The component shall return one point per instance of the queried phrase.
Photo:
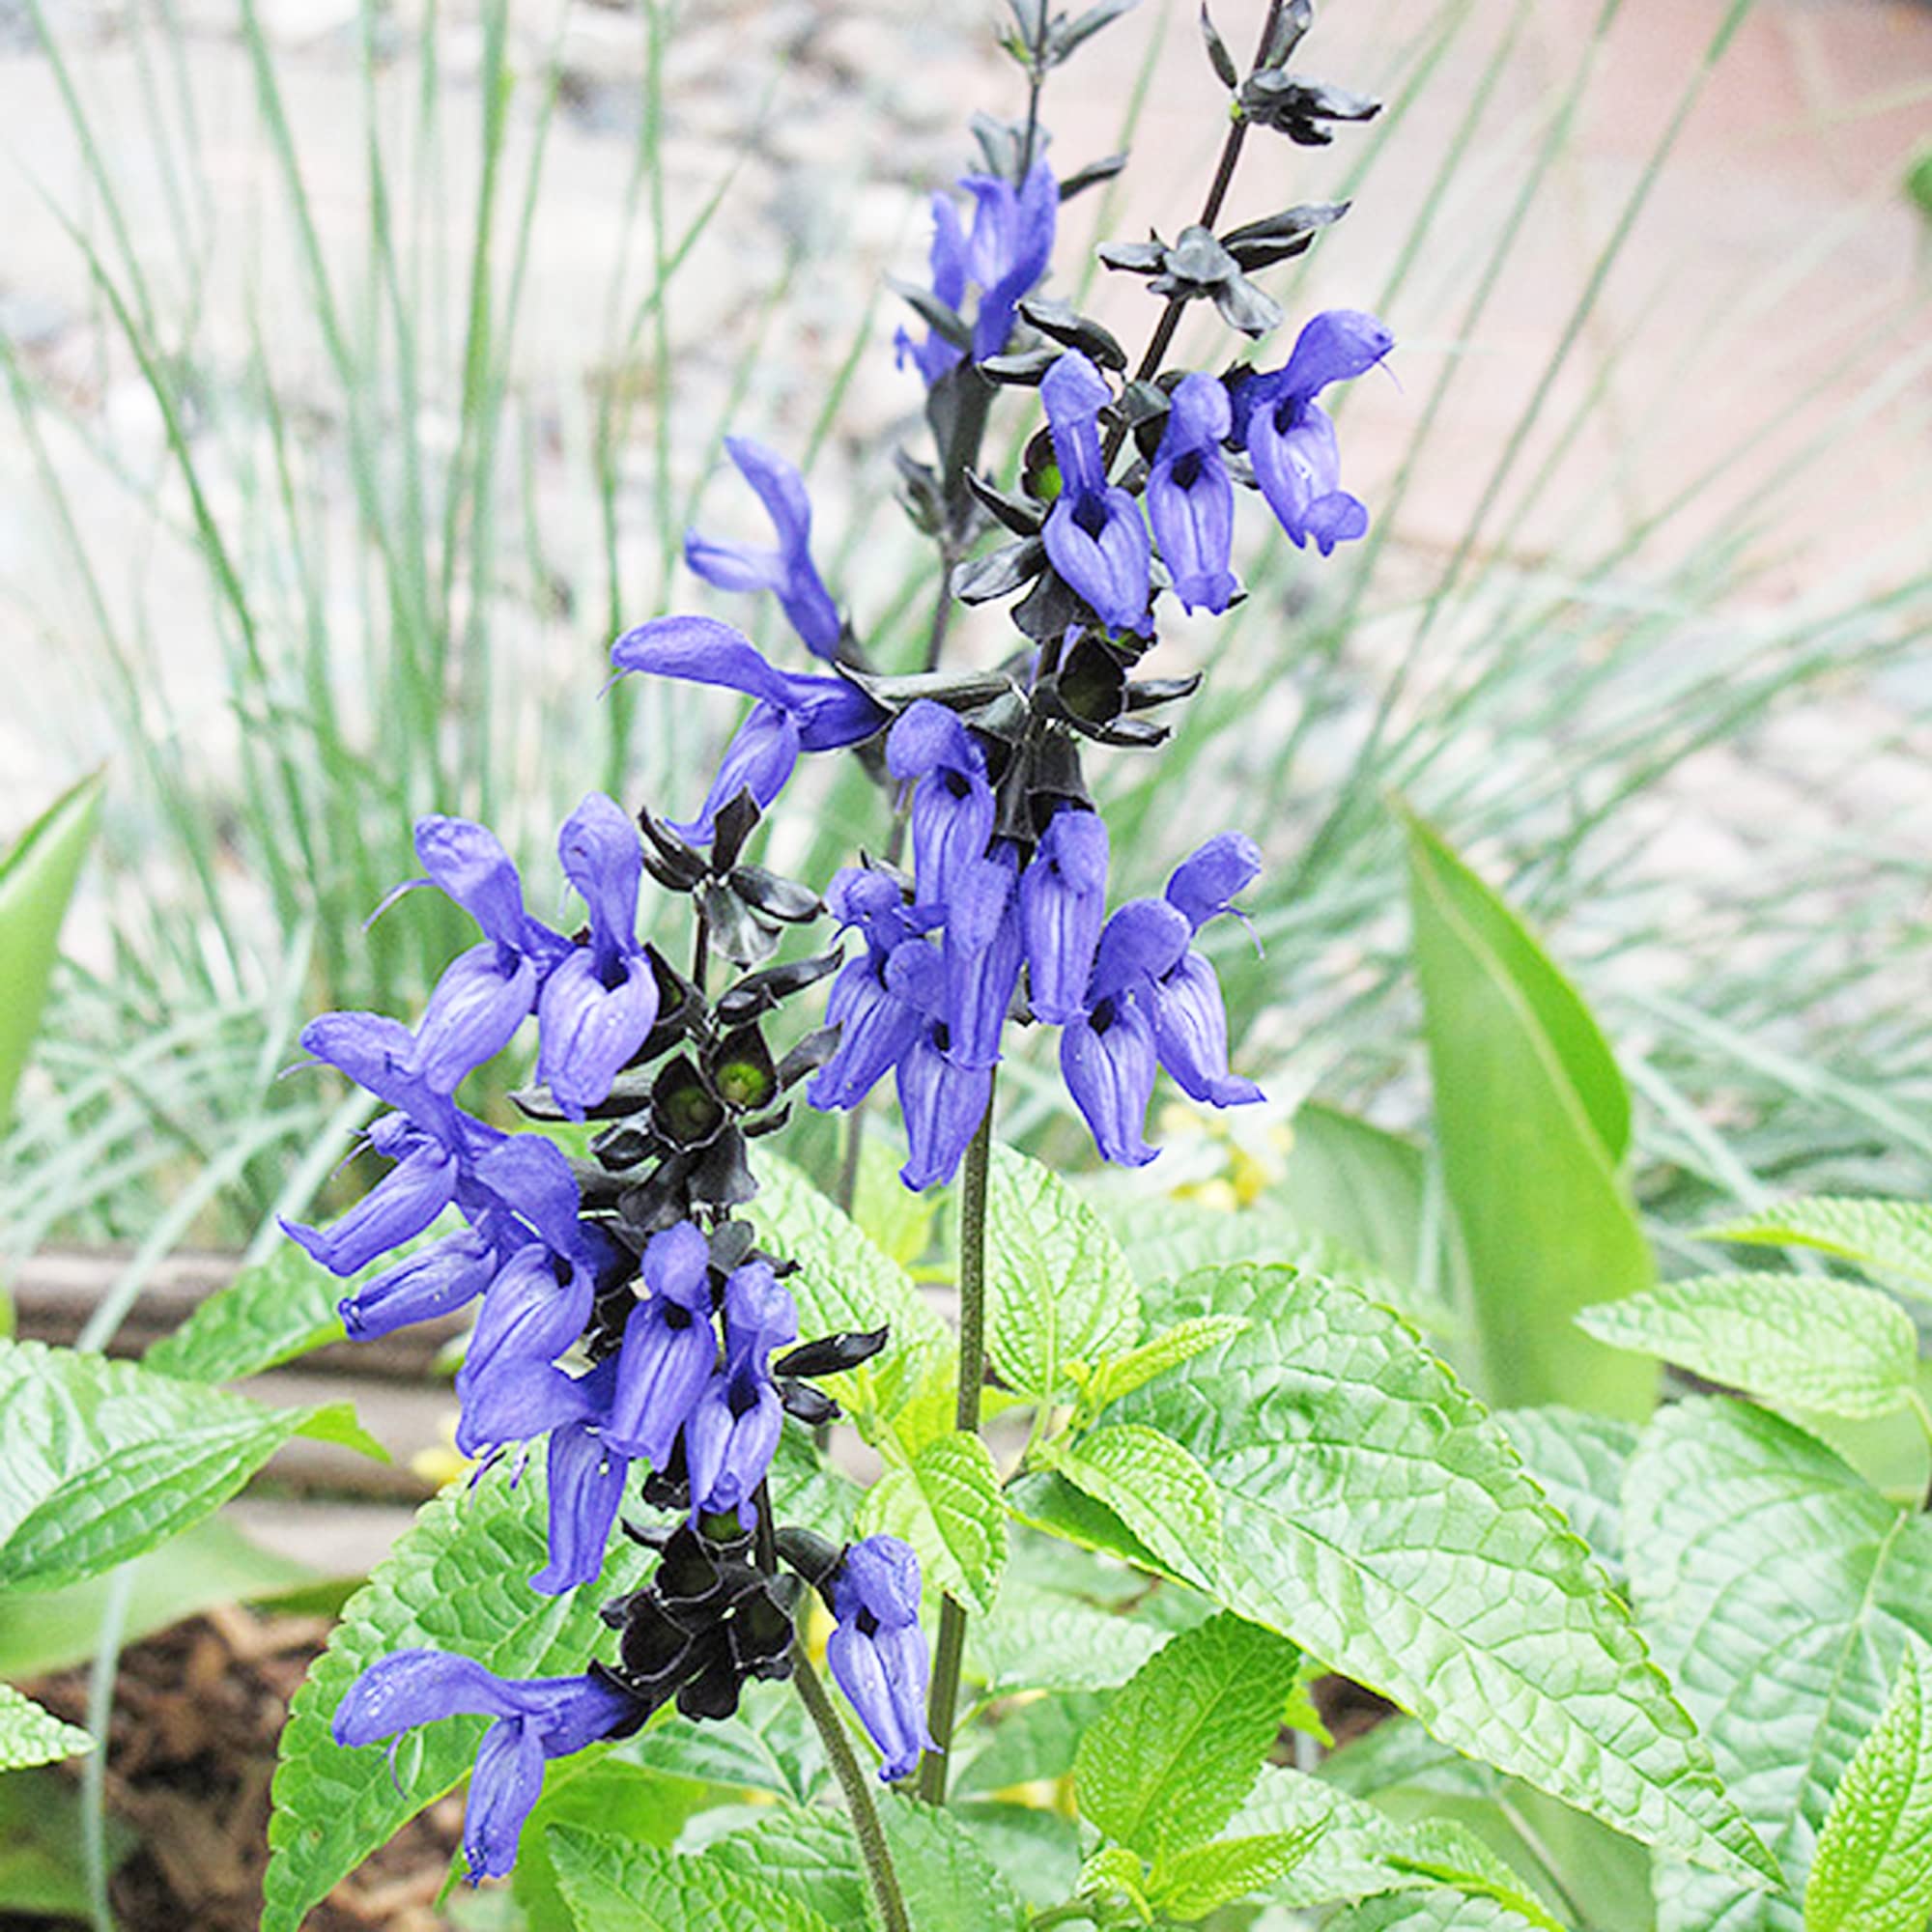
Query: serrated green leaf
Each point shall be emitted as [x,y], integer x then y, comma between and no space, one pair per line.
[1829,1346]
[1197,1882]
[37,880]
[1049,1502]
[1580,1461]
[770,1746]
[1120,1375]
[280,1308]
[1156,1488]
[1038,1851]
[1180,1745]
[809,1855]
[844,1282]
[1058,1288]
[1432,1912]
[616,1884]
[30,1735]
[99,1459]
[1780,1588]
[457,1580]
[1533,1119]
[1035,1641]
[1889,1237]
[1360,1849]
[1029,1741]
[949,1885]
[1872,1871]
[1370,1507]
[945,1502]
[897,1221]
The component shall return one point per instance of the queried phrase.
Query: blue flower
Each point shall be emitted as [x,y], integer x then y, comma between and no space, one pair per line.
[732,1430]
[537,1719]
[877,1024]
[585,1489]
[952,805]
[942,1102]
[599,1004]
[793,713]
[1062,905]
[877,1653]
[1010,250]
[1190,1017]
[433,1282]
[1290,438]
[1190,496]
[981,956]
[935,355]
[1093,534]
[670,1348]
[787,571]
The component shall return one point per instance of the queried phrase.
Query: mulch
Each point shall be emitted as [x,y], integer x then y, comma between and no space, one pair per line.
[191,1750]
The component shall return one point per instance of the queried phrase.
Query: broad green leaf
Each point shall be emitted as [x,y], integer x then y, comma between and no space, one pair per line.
[769,1746]
[1371,1509]
[1432,1912]
[1118,1375]
[616,1884]
[897,1220]
[1779,1589]
[1194,1882]
[1829,1346]
[1058,1288]
[1180,1745]
[30,1735]
[844,1282]
[457,1580]
[1037,1851]
[808,1490]
[809,1855]
[1872,1871]
[1579,1459]
[1355,1848]
[1156,1488]
[1049,1502]
[1889,1237]
[37,880]
[269,1313]
[1036,1642]
[1031,1742]
[1533,1121]
[949,1883]
[945,1502]
[102,1459]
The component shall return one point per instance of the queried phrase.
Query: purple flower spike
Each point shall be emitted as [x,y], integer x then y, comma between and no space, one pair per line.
[537,1719]
[877,1653]
[1062,904]
[953,807]
[787,571]
[793,713]
[1094,534]
[1191,496]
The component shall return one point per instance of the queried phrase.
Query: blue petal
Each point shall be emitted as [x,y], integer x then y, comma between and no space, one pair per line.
[586,1486]
[677,1265]
[528,1315]
[1109,1064]
[758,759]
[587,1031]
[482,998]
[1098,544]
[1205,883]
[1074,393]
[503,1790]
[1190,1024]
[398,1207]
[875,1027]
[1334,347]
[1062,903]
[469,862]
[1142,941]
[943,1106]
[434,1282]
[531,1176]
[661,1373]
[981,953]
[603,858]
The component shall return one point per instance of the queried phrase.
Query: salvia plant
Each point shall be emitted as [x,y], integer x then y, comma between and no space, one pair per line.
[1207,1494]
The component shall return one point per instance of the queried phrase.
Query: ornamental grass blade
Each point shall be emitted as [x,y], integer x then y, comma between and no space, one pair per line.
[1379,1551]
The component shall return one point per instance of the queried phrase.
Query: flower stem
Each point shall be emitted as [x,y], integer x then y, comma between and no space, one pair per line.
[944,1699]
[858,1793]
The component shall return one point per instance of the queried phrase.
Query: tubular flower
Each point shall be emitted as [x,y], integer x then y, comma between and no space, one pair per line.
[1062,904]
[1290,438]
[1011,247]
[668,1349]
[981,956]
[793,713]
[953,804]
[1094,536]
[786,571]
[734,1428]
[537,1719]
[877,1653]
[1190,496]
[935,355]
[876,1025]
[1189,1015]
[599,1004]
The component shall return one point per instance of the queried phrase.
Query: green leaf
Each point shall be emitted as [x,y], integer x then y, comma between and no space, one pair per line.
[267,1314]
[102,1459]
[947,1504]
[41,1871]
[1829,1346]
[457,1580]
[770,1746]
[844,1283]
[1181,1744]
[1371,1510]
[1197,1882]
[30,1735]
[809,1855]
[1120,1375]
[1533,1119]
[1780,1588]
[1580,1461]
[1058,1288]
[949,1883]
[616,1884]
[37,880]
[1156,1488]
[1918,181]
[1036,1642]
[1029,1741]
[1432,1912]
[1872,1871]
[1892,1238]
[1038,1851]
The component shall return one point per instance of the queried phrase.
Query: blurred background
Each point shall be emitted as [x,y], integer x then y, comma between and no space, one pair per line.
[364,364]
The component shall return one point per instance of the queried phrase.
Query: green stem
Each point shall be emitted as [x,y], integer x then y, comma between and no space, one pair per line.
[852,1781]
[1064,1914]
[944,1699]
